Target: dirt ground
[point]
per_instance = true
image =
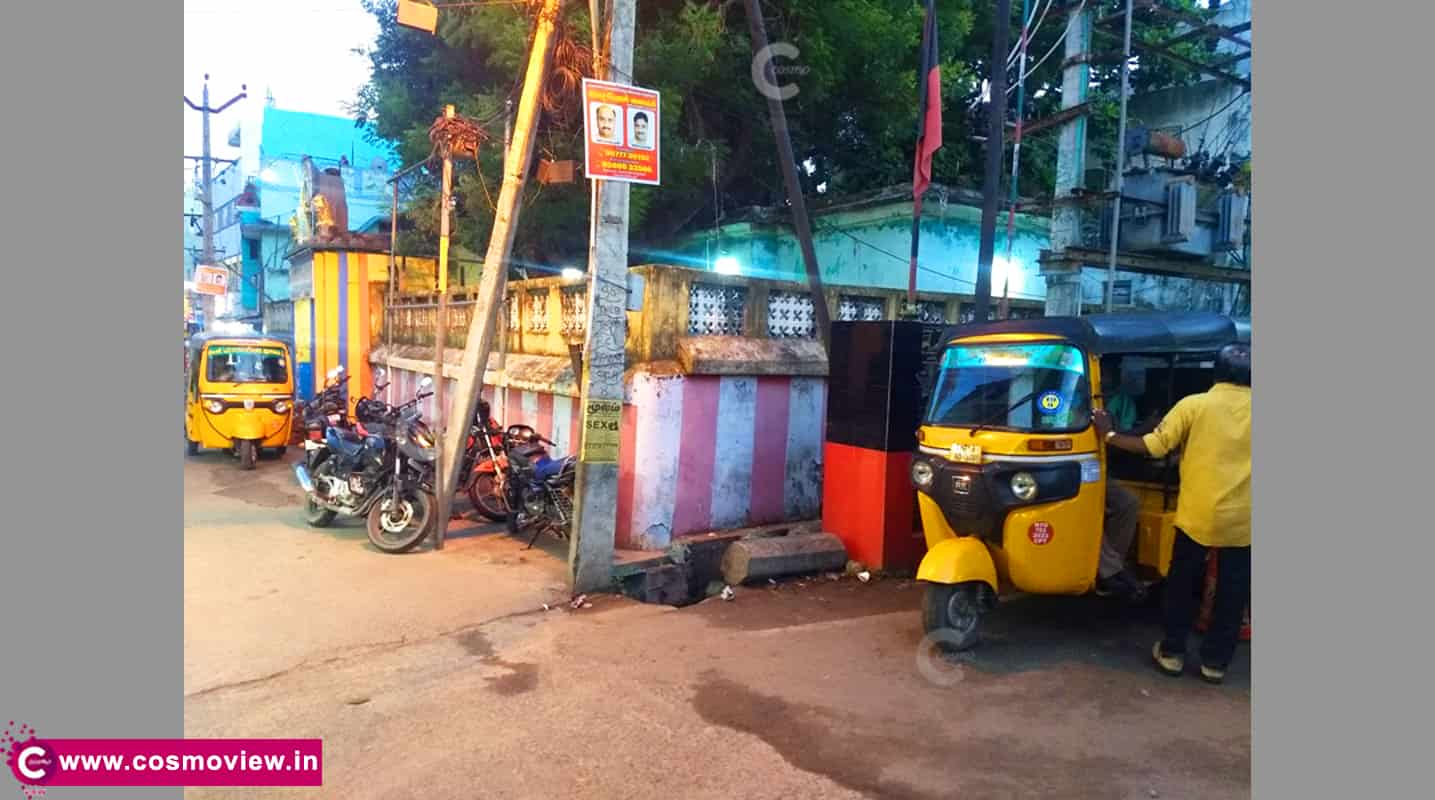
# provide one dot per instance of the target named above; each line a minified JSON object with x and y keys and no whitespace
{"x":441,"y":675}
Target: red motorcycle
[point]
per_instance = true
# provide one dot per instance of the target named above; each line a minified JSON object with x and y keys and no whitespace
{"x":486,"y":465}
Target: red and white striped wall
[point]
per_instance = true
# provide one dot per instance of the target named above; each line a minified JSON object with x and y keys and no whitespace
{"x":553,"y":415}
{"x":698,"y":452}
{"x":703,"y":453}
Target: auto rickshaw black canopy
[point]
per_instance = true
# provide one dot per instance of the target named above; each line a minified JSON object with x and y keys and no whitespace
{"x":1100,"y":334}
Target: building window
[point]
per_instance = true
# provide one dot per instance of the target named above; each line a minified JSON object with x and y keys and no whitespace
{"x":253,"y":247}
{"x":1120,"y":293}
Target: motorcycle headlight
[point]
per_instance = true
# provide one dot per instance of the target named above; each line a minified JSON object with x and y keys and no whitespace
{"x":1023,"y":485}
{"x":922,"y":474}
{"x":214,"y":406}
{"x":281,"y":406}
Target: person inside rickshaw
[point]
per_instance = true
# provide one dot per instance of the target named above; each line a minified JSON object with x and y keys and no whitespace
{"x":1123,"y":507}
{"x":274,"y":369}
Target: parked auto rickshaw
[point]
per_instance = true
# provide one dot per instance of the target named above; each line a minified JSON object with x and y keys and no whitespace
{"x":239,"y":395}
{"x":1009,"y":470}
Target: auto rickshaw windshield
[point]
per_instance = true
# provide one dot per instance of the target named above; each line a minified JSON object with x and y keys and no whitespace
{"x":246,"y":364}
{"x":1031,"y":387}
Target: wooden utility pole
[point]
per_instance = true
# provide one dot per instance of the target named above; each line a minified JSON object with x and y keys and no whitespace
{"x":481,"y":328}
{"x":996,"y":129}
{"x":800,"y":221}
{"x":590,"y":551}
{"x":441,"y":333}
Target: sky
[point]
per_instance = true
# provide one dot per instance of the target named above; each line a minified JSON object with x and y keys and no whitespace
{"x":300,"y":50}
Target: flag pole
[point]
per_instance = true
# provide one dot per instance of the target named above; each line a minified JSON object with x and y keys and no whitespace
{"x":929,"y":135}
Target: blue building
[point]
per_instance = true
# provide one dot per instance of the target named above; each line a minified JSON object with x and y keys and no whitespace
{"x":255,"y":198}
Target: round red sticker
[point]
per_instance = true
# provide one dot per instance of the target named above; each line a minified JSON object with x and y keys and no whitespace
{"x":1040,"y":532}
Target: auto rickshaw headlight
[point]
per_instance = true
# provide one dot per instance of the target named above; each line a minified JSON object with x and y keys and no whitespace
{"x":922,"y":474}
{"x":214,"y":406}
{"x":281,"y":406}
{"x":1023,"y":485}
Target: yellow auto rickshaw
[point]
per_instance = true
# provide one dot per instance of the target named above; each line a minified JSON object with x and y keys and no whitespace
{"x":1010,"y":473}
{"x":239,"y":395}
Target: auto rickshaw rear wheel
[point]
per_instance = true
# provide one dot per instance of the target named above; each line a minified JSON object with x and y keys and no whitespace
{"x":248,"y":454}
{"x":952,"y":614}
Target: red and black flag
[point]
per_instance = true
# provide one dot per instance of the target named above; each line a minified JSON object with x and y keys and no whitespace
{"x":929,"y":129}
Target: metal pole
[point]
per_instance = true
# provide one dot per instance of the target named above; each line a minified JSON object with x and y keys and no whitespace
{"x":393,"y":266}
{"x":1013,"y":197}
{"x":207,"y":200}
{"x":991,"y":189}
{"x":1120,"y":165}
{"x":441,"y":334}
{"x":800,"y":221}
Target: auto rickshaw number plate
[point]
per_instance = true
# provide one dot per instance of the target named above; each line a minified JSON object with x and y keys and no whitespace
{"x":966,"y":453}
{"x":962,"y":484}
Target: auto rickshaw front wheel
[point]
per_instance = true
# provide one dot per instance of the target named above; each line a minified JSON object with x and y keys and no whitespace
{"x":248,"y":454}
{"x":952,"y":613}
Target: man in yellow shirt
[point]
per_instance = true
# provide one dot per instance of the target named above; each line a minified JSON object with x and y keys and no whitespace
{"x":1213,"y":510}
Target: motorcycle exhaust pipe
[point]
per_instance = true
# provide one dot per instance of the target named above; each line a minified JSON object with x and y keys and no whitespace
{"x":304,"y":480}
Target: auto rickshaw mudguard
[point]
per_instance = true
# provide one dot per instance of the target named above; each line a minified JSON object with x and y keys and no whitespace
{"x":958,"y":560}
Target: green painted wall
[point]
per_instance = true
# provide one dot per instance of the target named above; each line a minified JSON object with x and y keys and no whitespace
{"x":872,"y":247}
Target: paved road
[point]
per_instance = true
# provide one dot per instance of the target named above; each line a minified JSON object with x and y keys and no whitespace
{"x":439,"y":675}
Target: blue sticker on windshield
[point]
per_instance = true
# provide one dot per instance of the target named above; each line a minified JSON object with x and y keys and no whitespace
{"x":1049,"y":402}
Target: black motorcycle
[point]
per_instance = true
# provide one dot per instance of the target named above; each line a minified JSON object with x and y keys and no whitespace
{"x":540,"y":488}
{"x":382,"y":470}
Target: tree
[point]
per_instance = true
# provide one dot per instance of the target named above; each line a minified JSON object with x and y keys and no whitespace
{"x":853,"y":120}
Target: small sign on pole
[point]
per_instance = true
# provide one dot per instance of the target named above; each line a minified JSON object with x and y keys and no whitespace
{"x":620,"y":133}
{"x":211,"y":280}
{"x":419,"y":16}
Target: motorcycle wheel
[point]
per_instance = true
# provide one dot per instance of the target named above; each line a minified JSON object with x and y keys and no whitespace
{"x":248,"y":454}
{"x":484,"y":495}
{"x":401,"y":529}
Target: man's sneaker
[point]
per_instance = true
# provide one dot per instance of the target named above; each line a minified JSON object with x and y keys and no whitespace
{"x":1124,"y":585}
{"x":1210,"y":674}
{"x":1171,"y":665}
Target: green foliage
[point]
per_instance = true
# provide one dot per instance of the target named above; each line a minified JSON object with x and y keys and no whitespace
{"x":854,"y":118}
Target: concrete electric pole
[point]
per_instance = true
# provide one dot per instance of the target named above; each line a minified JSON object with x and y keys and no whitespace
{"x":207,"y":179}
{"x":590,"y":554}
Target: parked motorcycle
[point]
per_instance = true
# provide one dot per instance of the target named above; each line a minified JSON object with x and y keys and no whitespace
{"x":486,"y":465}
{"x":539,"y":487}
{"x":382,"y":470}
{"x":327,"y":408}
